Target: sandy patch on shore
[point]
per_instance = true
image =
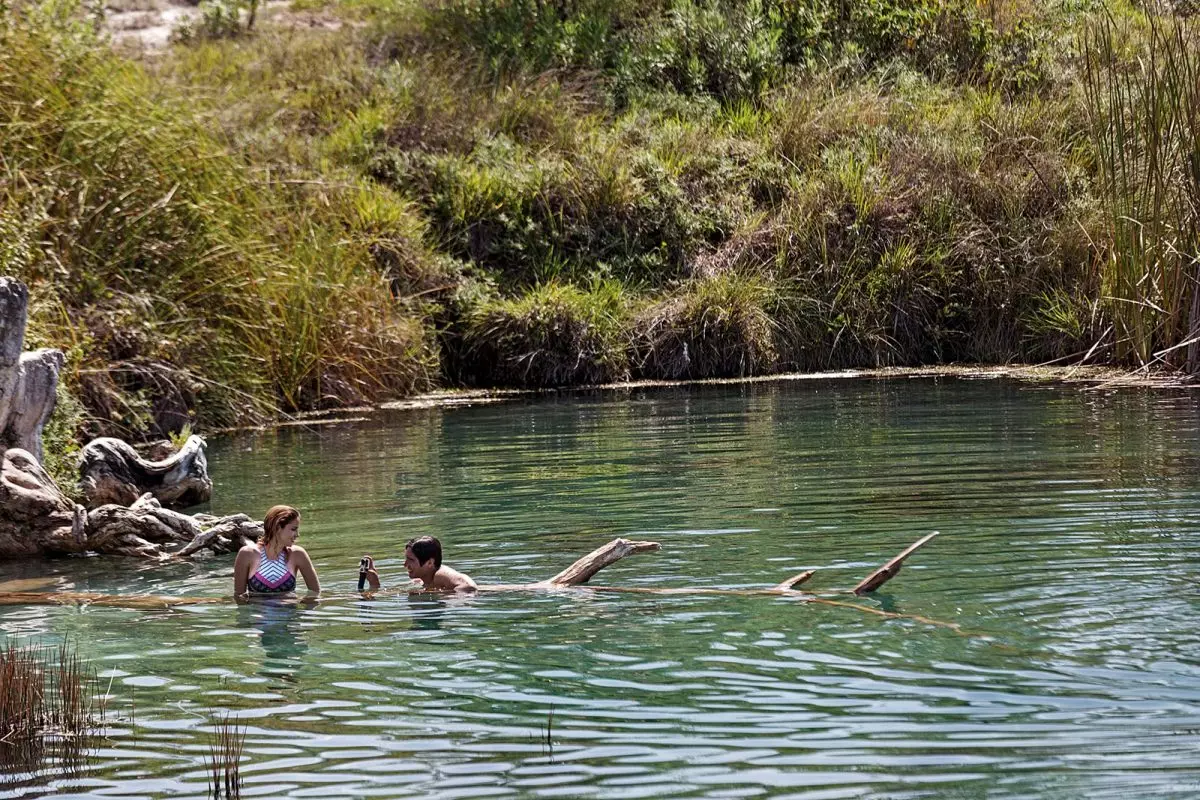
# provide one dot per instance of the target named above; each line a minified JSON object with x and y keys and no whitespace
{"x":145,"y":26}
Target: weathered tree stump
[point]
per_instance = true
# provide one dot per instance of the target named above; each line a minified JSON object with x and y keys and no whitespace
{"x":36,"y":518}
{"x":111,"y":471}
{"x":27,"y":380}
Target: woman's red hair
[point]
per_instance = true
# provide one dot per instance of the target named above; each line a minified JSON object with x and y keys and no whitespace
{"x":276,"y":518}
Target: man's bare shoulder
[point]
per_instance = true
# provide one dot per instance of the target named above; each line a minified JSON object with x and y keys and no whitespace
{"x":449,"y":579}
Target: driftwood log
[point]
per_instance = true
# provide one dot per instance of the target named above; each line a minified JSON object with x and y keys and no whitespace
{"x":36,"y":518}
{"x":147,"y":529}
{"x":889,"y":570}
{"x":111,"y":471}
{"x":27,"y":380}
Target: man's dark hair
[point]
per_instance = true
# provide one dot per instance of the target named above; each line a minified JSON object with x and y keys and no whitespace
{"x":425,"y":548}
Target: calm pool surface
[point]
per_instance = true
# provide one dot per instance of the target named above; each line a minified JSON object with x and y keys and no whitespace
{"x":1069,"y":548}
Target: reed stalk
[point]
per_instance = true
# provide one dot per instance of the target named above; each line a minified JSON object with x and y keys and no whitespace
{"x":224,"y":759}
{"x":1144,"y":117}
{"x":48,"y":708}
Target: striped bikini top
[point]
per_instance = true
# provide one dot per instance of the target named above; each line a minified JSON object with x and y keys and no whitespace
{"x":272,"y":575}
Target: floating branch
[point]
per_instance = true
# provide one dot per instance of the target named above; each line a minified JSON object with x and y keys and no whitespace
{"x":889,"y":570}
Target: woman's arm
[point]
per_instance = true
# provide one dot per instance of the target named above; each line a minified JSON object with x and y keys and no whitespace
{"x":241,"y":570}
{"x":305,"y":566}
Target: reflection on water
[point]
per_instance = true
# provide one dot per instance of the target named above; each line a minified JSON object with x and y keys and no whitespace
{"x":1067,"y":557}
{"x":278,"y":621}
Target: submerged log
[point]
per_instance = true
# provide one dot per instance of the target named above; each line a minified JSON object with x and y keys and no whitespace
{"x":573,"y":577}
{"x":113,"y":472}
{"x":27,"y":380}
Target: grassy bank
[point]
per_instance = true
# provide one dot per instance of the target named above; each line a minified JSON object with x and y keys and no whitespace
{"x":513,"y":192}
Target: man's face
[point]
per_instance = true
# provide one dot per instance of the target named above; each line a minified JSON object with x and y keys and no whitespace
{"x":412,"y":566}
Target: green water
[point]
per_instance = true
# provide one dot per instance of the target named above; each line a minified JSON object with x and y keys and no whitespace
{"x":1067,"y":555}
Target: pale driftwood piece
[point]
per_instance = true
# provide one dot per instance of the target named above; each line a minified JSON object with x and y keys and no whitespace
{"x":583,"y":569}
{"x":149,"y":530}
{"x":889,"y":570}
{"x":224,"y":535}
{"x":27,"y":380}
{"x":37,"y":380}
{"x":794,"y":581}
{"x":35,"y":517}
{"x":113,"y":472}
{"x":145,"y":521}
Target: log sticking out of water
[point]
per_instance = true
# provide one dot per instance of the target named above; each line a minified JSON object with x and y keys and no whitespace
{"x":583,"y":569}
{"x":889,"y":570}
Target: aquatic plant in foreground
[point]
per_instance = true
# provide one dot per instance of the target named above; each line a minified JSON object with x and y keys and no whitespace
{"x":49,"y":710}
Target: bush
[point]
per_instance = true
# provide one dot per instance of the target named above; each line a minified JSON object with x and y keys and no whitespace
{"x":556,"y":335}
{"x":718,"y":327}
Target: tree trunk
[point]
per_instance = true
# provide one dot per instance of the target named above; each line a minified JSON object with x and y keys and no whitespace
{"x":27,"y":380}
{"x":37,"y":519}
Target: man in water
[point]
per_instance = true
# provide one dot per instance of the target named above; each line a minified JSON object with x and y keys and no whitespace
{"x":423,"y":562}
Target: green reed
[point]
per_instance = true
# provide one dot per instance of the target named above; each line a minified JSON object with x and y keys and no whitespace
{"x":1143,"y":101}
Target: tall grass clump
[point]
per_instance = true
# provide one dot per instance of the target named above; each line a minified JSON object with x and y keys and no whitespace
{"x":716,"y":327}
{"x":1142,"y":87}
{"x":49,"y":708}
{"x":556,"y":334}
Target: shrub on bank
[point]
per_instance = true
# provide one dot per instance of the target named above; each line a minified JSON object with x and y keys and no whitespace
{"x":555,"y":335}
{"x":716,"y":327}
{"x":738,"y":51}
{"x":184,"y":284}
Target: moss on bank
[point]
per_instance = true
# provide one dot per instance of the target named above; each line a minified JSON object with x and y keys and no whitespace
{"x":502,"y":192}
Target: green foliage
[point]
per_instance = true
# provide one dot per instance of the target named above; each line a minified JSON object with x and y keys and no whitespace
{"x":555,"y":335}
{"x":60,"y":441}
{"x":1144,"y":109}
{"x":717,"y":327}
{"x":735,"y":51}
{"x":218,"y":19}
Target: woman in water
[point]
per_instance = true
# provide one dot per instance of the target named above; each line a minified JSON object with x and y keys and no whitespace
{"x":270,"y":566}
